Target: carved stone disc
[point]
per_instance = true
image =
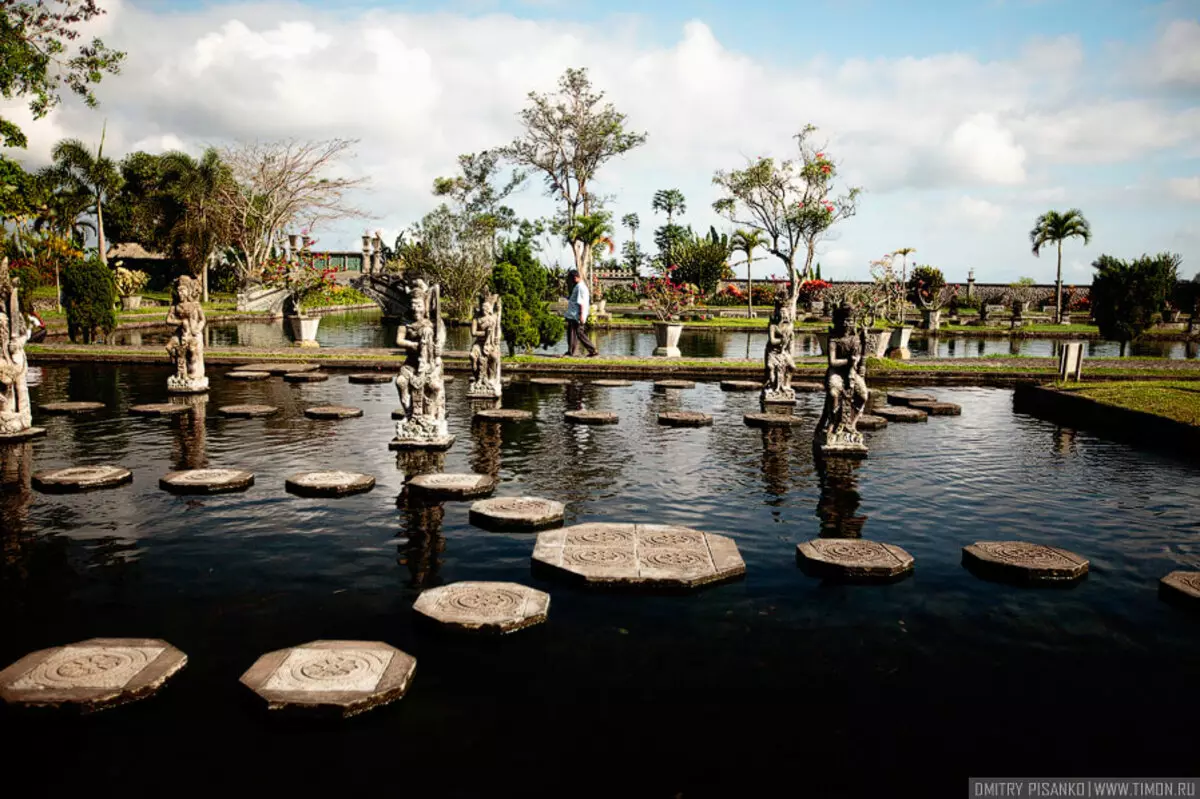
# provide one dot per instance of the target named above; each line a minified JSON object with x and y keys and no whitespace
{"x":328,"y":484}
{"x":612,"y":383}
{"x":516,"y":513}
{"x":278,"y":368}
{"x":674,"y":384}
{"x":206,"y":481}
{"x":502,"y":415}
{"x":591,"y":417}
{"x":549,"y":381}
{"x":937,"y":408}
{"x":91,"y":675}
{"x":342,"y":677}
{"x":81,"y":478}
{"x":909,"y":397}
{"x":772,"y":420}
{"x":1023,"y":561}
{"x":247,"y":376}
{"x":160,"y":409}
{"x":452,"y":486}
{"x":484,"y":607}
{"x":333,"y":412}
{"x":1181,"y":586}
{"x":247,"y":411}
{"x":71,"y":407}
{"x":870,"y":422}
{"x":853,"y":559}
{"x":741,"y":385}
{"x":373,"y":377}
{"x":685,"y":419}
{"x":306,"y":377}
{"x":899,"y":413}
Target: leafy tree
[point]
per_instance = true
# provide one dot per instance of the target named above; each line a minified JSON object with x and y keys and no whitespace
{"x":38,"y":56}
{"x":199,"y":223}
{"x":817,"y":274}
{"x":1127,"y":296}
{"x":448,"y":248}
{"x":77,"y":171}
{"x":670,"y":202}
{"x":136,"y":212}
{"x":477,"y":195}
{"x":568,"y":136}
{"x":88,"y":294}
{"x":18,"y":191}
{"x":521,"y":281}
{"x":1054,"y":227}
{"x":703,"y":261}
{"x":633,"y":256}
{"x":746,"y":241}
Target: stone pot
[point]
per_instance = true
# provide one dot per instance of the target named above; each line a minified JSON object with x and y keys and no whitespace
{"x":898,"y":343}
{"x":131,"y":303}
{"x":931,"y":319}
{"x":601,"y":306}
{"x":304,"y":329}
{"x":667,"y":335}
{"x":816,"y":306}
{"x":877,"y":343}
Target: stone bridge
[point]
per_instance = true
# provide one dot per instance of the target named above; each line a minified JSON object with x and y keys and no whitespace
{"x":387,"y":289}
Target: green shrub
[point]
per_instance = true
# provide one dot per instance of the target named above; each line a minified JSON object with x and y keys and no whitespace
{"x":89,"y":294}
{"x":1128,"y":296}
{"x":620,"y":295}
{"x":521,"y":282}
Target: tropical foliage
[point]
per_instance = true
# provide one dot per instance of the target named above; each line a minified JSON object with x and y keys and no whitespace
{"x":1055,"y":227}
{"x":521,"y":281}
{"x":88,"y":296}
{"x":1127,"y":296}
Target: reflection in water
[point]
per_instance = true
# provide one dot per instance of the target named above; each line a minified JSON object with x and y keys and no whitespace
{"x":838,"y":503}
{"x":415,"y":462}
{"x":188,"y":447}
{"x":421,"y":541}
{"x":1065,"y":441}
{"x":775,"y":468}
{"x":16,"y":467}
{"x":485,"y":450}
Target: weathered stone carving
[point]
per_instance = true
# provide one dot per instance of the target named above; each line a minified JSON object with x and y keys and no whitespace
{"x":485,"y":351}
{"x":16,"y":414}
{"x":845,"y":389}
{"x":778,"y":361}
{"x":420,"y":384}
{"x":186,"y":348}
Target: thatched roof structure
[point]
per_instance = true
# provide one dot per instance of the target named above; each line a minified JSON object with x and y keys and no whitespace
{"x":134,"y":251}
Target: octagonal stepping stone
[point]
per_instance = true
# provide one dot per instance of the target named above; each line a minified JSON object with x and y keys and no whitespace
{"x":909,"y":397}
{"x":772,"y":420}
{"x":741,"y":385}
{"x":1022,"y":561}
{"x":420,"y":444}
{"x":612,"y":383}
{"x":306,"y":377}
{"x":1182,"y":587}
{"x":447,"y":378}
{"x":591,"y":417}
{"x":328,"y":484}
{"x":674,"y":384}
{"x":853,"y":559}
{"x":484,"y":607}
{"x":502,"y":415}
{"x":452,"y":486}
{"x":807,"y":386}
{"x":340,"y":677}
{"x":937,"y":408}
{"x":373,"y":377}
{"x":899,"y":413}
{"x":638,"y":555}
{"x":247,"y":411}
{"x":871,"y":422}
{"x":206,"y":481}
{"x":685,"y":419}
{"x":549,"y":381}
{"x":333,"y":412}
{"x":81,"y":478}
{"x":247,"y":376}
{"x":516,"y":513}
{"x":278,"y":368}
{"x":23,"y":435}
{"x":91,"y":675}
{"x":160,"y":409}
{"x":71,"y":407}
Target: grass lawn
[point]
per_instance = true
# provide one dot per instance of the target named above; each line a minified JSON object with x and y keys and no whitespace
{"x":1171,"y":399}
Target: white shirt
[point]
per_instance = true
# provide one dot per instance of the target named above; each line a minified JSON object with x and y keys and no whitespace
{"x":579,"y":303}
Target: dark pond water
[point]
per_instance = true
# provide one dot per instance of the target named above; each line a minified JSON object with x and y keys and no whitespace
{"x":365,"y":329}
{"x":778,"y":679}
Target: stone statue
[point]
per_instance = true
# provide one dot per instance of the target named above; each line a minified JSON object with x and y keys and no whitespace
{"x":16,"y":415}
{"x":485,"y":351}
{"x":420,"y":385}
{"x":779,"y":363}
{"x":186,"y":347}
{"x":845,"y":389}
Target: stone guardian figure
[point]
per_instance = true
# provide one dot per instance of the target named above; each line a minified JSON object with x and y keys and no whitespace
{"x":16,"y":414}
{"x":186,"y":347}
{"x":778,"y":361}
{"x":419,"y":384}
{"x":485,"y":349}
{"x":846,"y":391}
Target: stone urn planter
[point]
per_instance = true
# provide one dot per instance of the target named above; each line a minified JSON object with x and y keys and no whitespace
{"x":898,"y":343}
{"x":816,"y":307}
{"x":877,"y":342}
{"x":304,"y":330}
{"x":931,"y":319}
{"x":601,"y":306}
{"x":131,"y":303}
{"x":667,"y":335}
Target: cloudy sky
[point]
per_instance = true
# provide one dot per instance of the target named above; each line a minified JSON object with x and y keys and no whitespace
{"x":962,"y":121}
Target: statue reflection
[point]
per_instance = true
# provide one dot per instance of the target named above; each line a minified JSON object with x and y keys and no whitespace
{"x":485,"y":452}
{"x":414,"y":462}
{"x":189,"y":450}
{"x":16,"y":467}
{"x":421,"y":541}
{"x":775,"y":469}
{"x":838,"y":503}
{"x":1065,"y":441}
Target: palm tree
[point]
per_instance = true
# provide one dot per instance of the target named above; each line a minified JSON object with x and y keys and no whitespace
{"x":747,"y":241}
{"x":904,"y":252}
{"x":201,"y":227}
{"x":1056,"y":227}
{"x":78,"y":171}
{"x":585,"y":233}
{"x":670,"y":202}
{"x":632,"y":222}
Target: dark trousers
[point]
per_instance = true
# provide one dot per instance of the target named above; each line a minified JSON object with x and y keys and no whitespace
{"x":575,"y":337}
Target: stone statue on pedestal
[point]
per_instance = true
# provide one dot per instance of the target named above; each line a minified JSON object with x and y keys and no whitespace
{"x":16,"y":415}
{"x":420,"y":385}
{"x":186,"y":347}
{"x":846,"y":391}
{"x":779,"y":363}
{"x":485,"y":351}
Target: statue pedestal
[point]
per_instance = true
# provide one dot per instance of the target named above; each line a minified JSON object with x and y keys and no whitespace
{"x":483,"y":390}
{"x":22,"y":435}
{"x":198,"y":385}
{"x":782,"y":397}
{"x":843,"y":449}
{"x":428,"y":444}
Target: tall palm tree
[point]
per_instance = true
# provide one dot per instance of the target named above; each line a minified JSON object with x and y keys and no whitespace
{"x":77,"y":170}
{"x":201,"y":226}
{"x":904,"y":252}
{"x":747,"y":241}
{"x":670,"y":202}
{"x":1055,"y":227}
{"x":631,"y":222}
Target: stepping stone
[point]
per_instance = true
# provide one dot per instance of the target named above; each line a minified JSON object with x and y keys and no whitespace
{"x":685,"y":419}
{"x":328,"y":484}
{"x":898,"y":413}
{"x":937,"y":408}
{"x":247,"y":411}
{"x":248,"y":376}
{"x":549,"y":381}
{"x":808,"y":386}
{"x":780,"y":401}
{"x":24,"y":435}
{"x":740,"y":385}
{"x":426,"y":444}
{"x":81,"y":478}
{"x":278,"y":368}
{"x":502,"y":415}
{"x":206,"y":481}
{"x":447,"y":378}
{"x":516,"y":513}
{"x":373,"y":377}
{"x":644,"y":555}
{"x":484,"y":607}
{"x":591,"y":417}
{"x":853,"y":559}
{"x":306,"y":377}
{"x":909,"y":397}
{"x":1022,"y":561}
{"x":333,"y":412}
{"x":71,"y":407}
{"x":339,"y":677}
{"x":91,"y":675}
{"x":674,"y":384}
{"x":160,"y":409}
{"x":1182,"y":587}
{"x":871,"y":422}
{"x":772,"y":420}
{"x":452,"y":486}
{"x":612,"y":383}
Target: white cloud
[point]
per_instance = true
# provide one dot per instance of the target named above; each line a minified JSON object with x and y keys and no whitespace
{"x":980,"y":214}
{"x":1185,"y":188}
{"x":1176,"y":55}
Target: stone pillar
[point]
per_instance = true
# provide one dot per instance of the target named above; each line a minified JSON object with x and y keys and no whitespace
{"x":377,"y":259}
{"x":970,"y":283}
{"x":367,"y":267}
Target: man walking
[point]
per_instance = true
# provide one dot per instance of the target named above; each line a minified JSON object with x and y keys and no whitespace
{"x":577,"y":314}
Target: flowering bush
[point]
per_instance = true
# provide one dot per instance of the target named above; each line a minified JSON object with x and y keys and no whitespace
{"x":813,"y":290}
{"x":130,"y":281}
{"x":307,"y":276}
{"x":666,"y":297}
